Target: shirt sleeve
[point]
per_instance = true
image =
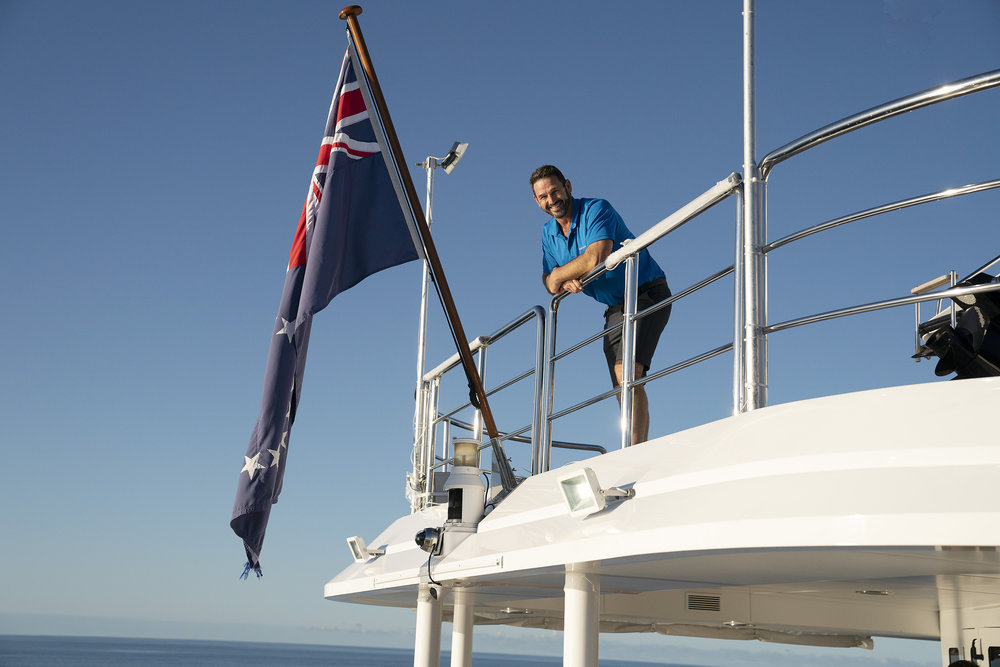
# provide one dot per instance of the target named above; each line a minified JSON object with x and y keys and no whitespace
{"x":548,"y":261}
{"x":598,"y":221}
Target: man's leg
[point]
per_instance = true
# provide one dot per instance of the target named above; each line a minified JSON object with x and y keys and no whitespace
{"x":640,"y":405}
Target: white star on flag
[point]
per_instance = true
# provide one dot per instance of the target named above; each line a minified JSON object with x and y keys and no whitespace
{"x":251,"y":466}
{"x":275,"y":456}
{"x":284,"y":329}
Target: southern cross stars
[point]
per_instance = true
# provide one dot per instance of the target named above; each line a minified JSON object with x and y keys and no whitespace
{"x":252,"y":464}
{"x":285,"y":328}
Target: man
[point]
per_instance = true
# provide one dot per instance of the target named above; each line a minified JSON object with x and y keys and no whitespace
{"x":580,"y":236}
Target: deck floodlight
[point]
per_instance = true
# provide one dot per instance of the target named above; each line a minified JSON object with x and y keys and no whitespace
{"x":429,"y":539}
{"x":454,"y":155}
{"x":360,"y":551}
{"x":583,"y":494}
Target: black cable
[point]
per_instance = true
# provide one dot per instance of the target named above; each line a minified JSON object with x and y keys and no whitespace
{"x":429,"y":556}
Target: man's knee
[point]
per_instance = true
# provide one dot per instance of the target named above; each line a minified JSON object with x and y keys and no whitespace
{"x":637,"y":371}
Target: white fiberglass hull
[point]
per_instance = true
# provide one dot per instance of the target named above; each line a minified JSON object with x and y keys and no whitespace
{"x":822,"y":521}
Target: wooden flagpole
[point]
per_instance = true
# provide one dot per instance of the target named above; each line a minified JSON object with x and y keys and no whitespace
{"x":350,"y":14}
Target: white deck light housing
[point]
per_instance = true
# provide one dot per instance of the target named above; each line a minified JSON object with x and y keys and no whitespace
{"x":583,"y":494}
{"x":454,"y":155}
{"x":360,"y":551}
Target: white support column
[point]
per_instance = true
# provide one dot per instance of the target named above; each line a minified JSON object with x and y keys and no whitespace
{"x":427,"y":647}
{"x":581,"y":617}
{"x":462,"y":626}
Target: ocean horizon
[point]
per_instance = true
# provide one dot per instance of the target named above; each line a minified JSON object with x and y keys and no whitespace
{"x":69,"y":651}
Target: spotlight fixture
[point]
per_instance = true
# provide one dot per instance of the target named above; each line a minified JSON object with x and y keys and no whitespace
{"x":454,"y":155}
{"x":429,"y":539}
{"x":360,"y":552}
{"x":583,"y":494}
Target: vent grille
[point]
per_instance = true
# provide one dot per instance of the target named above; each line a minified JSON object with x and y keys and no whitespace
{"x":704,"y":602}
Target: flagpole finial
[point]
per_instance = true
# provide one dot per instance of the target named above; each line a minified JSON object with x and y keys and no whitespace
{"x":353,"y":10}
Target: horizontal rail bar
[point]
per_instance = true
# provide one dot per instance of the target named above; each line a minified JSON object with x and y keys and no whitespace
{"x":692,"y":209}
{"x":480,"y":341}
{"x":649,"y":378}
{"x":705,"y":356}
{"x":517,"y":437}
{"x":500,"y":387}
{"x":655,"y":307}
{"x":586,"y":403}
{"x":982,"y":268}
{"x":885,"y":208}
{"x":875,"y":114}
{"x":454,"y":360}
{"x":881,"y":305}
{"x":467,"y":404}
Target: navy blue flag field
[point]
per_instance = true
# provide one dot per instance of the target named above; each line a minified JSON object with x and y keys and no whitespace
{"x":352,"y":225}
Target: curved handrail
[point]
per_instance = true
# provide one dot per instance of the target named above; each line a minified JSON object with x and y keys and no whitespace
{"x":733,"y":183}
{"x":875,"y":114}
{"x":954,"y":292}
{"x":885,"y":208}
{"x":431,"y":379}
{"x":675,"y":220}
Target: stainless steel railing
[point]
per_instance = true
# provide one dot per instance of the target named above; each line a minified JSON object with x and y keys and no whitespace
{"x":743,"y":376}
{"x":948,"y":91}
{"x":426,"y":460}
{"x":628,"y":254}
{"x":750,"y":327}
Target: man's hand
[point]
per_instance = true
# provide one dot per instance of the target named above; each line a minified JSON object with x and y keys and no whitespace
{"x":567,"y":277}
{"x":574,"y":286}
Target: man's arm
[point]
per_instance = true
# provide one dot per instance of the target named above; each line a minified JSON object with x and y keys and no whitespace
{"x":567,"y":277}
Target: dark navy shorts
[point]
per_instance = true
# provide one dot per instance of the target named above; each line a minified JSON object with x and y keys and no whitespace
{"x":648,"y":329}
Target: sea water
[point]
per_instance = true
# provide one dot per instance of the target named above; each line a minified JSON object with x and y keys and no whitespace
{"x":47,"y":651}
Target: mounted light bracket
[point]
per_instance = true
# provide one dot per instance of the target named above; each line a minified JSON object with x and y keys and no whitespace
{"x":360,"y":551}
{"x":583,"y":494}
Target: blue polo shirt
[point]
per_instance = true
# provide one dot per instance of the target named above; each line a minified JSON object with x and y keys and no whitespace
{"x":594,"y":220}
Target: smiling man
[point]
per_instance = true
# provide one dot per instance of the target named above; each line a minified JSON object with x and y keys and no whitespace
{"x":579,"y":236}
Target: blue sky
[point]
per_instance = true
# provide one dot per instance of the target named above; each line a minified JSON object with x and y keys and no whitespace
{"x":154,"y":162}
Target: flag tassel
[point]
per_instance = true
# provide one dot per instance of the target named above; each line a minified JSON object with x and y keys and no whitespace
{"x":246,"y":571}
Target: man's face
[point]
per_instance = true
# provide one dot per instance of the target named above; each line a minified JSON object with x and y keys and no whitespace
{"x":553,"y":197}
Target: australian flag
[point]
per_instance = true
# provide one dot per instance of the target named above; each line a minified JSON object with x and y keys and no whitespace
{"x":354,"y":222}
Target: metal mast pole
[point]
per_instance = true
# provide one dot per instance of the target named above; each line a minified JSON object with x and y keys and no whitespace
{"x":752,"y":304}
{"x":419,"y":419}
{"x":477,"y":392}
{"x":429,"y":164}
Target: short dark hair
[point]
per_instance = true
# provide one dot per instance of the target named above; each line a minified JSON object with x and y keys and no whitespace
{"x":546,"y":171}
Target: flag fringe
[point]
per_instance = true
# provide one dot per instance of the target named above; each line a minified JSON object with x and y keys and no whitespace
{"x":246,"y":571}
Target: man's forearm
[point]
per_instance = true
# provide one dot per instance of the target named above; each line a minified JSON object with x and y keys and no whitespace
{"x":577,"y":267}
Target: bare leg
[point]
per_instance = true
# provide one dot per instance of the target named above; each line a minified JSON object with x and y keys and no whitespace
{"x":640,"y":405}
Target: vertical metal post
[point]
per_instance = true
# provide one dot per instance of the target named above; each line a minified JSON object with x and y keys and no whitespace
{"x":538,"y":412}
{"x":462,"y":627}
{"x":477,"y":418}
{"x":545,"y":450}
{"x":420,"y":418}
{"x":427,"y":647}
{"x":581,"y":617}
{"x":739,"y":319}
{"x":628,"y":346}
{"x":430,"y":435}
{"x":754,"y":231}
{"x":952,"y":281}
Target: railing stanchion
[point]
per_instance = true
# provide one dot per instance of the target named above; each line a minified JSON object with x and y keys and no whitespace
{"x":628,"y":348}
{"x":538,"y":415}
{"x":739,"y":313}
{"x":548,"y":398}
